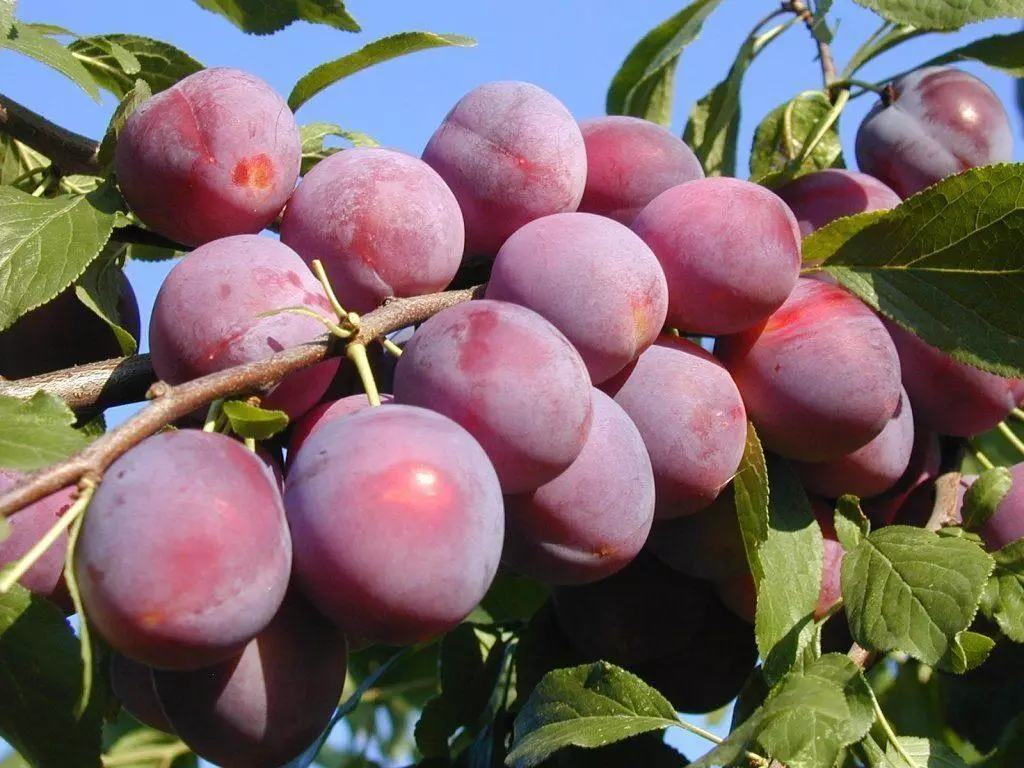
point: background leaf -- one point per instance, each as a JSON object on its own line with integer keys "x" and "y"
{"x": 16, "y": 160}
{"x": 27, "y": 39}
{"x": 643, "y": 84}
{"x": 1002, "y": 52}
{"x": 923, "y": 753}
{"x": 985, "y": 495}
{"x": 262, "y": 17}
{"x": 45, "y": 245}
{"x": 586, "y": 706}
{"x": 99, "y": 288}
{"x": 907, "y": 589}
{"x": 37, "y": 699}
{"x": 160, "y": 64}
{"x": 314, "y": 136}
{"x": 780, "y": 137}
{"x": 37, "y": 432}
{"x": 943, "y": 14}
{"x": 948, "y": 263}
{"x": 1003, "y": 600}
{"x": 385, "y": 49}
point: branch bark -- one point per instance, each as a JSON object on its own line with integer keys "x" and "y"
{"x": 94, "y": 386}
{"x": 828, "y": 65}
{"x": 69, "y": 151}
{"x": 171, "y": 403}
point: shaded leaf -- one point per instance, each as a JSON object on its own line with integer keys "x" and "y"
{"x": 45, "y": 245}
{"x": 99, "y": 288}
{"x": 132, "y": 101}
{"x": 781, "y": 136}
{"x": 948, "y": 263}
{"x": 923, "y": 753}
{"x": 1003, "y": 600}
{"x": 586, "y": 706}
{"x": 252, "y": 422}
{"x": 262, "y": 17}
{"x": 985, "y": 495}
{"x": 378, "y": 51}
{"x": 907, "y": 589}
{"x": 819, "y": 27}
{"x": 37, "y": 432}
{"x": 643, "y": 84}
{"x": 159, "y": 64}
{"x": 715, "y": 144}
{"x": 850, "y": 521}
{"x": 17, "y": 160}
{"x": 943, "y": 14}
{"x": 30, "y": 40}
{"x": 37, "y": 699}
{"x": 1002, "y": 52}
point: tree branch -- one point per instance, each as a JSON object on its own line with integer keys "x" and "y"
{"x": 94, "y": 386}
{"x": 171, "y": 403}
{"x": 69, "y": 151}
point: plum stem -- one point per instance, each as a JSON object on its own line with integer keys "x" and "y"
{"x": 1018, "y": 414}
{"x": 250, "y": 443}
{"x": 982, "y": 459}
{"x": 356, "y": 352}
{"x": 391, "y": 347}
{"x": 321, "y": 275}
{"x": 213, "y": 415}
{"x": 1010, "y": 435}
{"x": 180, "y": 400}
{"x": 30, "y": 558}
{"x": 88, "y": 486}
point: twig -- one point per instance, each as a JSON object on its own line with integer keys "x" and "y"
{"x": 828, "y": 66}
{"x": 93, "y": 386}
{"x": 136, "y": 235}
{"x": 945, "y": 511}
{"x": 171, "y": 403}
{"x": 69, "y": 151}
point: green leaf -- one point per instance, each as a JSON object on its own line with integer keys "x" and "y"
{"x": 880, "y": 45}
{"x": 750, "y": 491}
{"x": 131, "y": 101}
{"x": 313, "y": 138}
{"x": 711, "y": 137}
{"x": 469, "y": 675}
{"x": 790, "y": 563}
{"x": 159, "y": 64}
{"x": 514, "y": 598}
{"x": 944, "y": 14}
{"x": 1003, "y": 600}
{"x": 17, "y": 160}
{"x": 45, "y": 245}
{"x": 586, "y": 706}
{"x": 263, "y": 17}
{"x": 907, "y": 589}
{"x": 780, "y": 138}
{"x": 946, "y": 263}
{"x": 807, "y": 719}
{"x": 851, "y": 523}
{"x": 29, "y": 40}
{"x": 642, "y": 87}
{"x": 985, "y": 495}
{"x": 923, "y": 753}
{"x": 40, "y": 682}
{"x": 6, "y": 16}
{"x": 251, "y": 422}
{"x": 819, "y": 27}
{"x": 152, "y": 253}
{"x": 385, "y": 49}
{"x": 1002, "y": 52}
{"x": 141, "y": 741}
{"x": 969, "y": 651}
{"x": 37, "y": 432}
{"x": 99, "y": 288}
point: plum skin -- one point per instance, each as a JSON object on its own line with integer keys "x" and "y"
{"x": 730, "y": 250}
{"x": 383, "y": 224}
{"x": 591, "y": 520}
{"x": 63, "y": 333}
{"x": 630, "y": 161}
{"x": 819, "y": 198}
{"x": 600, "y": 285}
{"x": 397, "y": 522}
{"x": 820, "y": 378}
{"x": 511, "y": 152}
{"x": 243, "y": 277}
{"x": 214, "y": 155}
{"x": 180, "y": 569}
{"x": 942, "y": 121}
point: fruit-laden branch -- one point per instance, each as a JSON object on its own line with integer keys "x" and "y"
{"x": 69, "y": 151}
{"x": 173, "y": 402}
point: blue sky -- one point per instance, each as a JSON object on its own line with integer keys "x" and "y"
{"x": 569, "y": 47}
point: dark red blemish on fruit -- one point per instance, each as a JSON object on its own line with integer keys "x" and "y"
{"x": 294, "y": 279}
{"x": 224, "y": 290}
{"x": 256, "y": 172}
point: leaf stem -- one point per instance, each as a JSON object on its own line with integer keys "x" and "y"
{"x": 982, "y": 458}
{"x": 88, "y": 486}
{"x": 30, "y": 558}
{"x": 356, "y": 352}
{"x": 1010, "y": 435}
{"x": 391, "y": 347}
{"x": 213, "y": 415}
{"x": 696, "y": 730}
{"x": 888, "y": 731}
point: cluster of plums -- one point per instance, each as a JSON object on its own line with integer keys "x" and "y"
{"x": 555, "y": 426}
